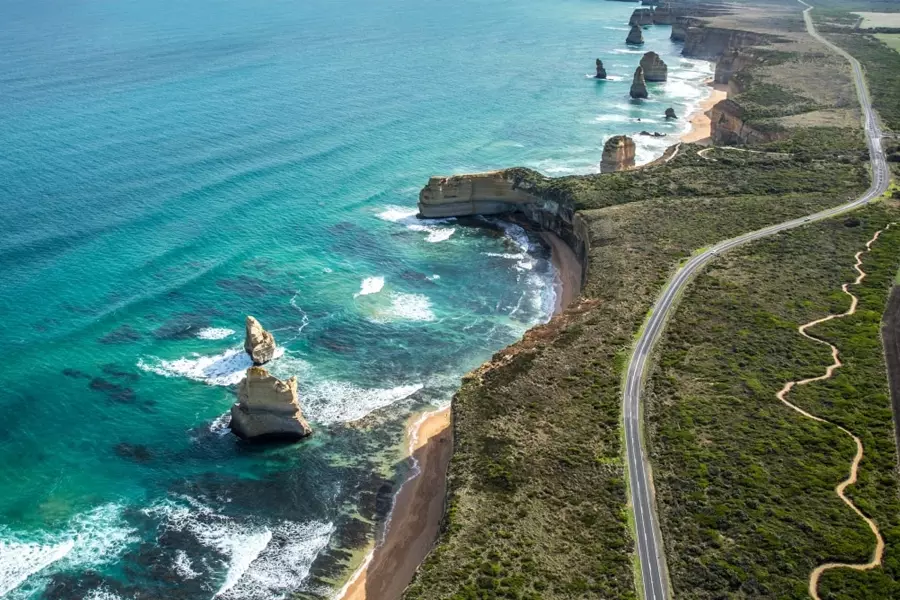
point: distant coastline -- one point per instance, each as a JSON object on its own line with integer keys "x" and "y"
{"x": 419, "y": 504}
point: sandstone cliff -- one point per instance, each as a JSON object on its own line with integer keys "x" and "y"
{"x": 654, "y": 67}
{"x": 728, "y": 128}
{"x": 268, "y": 408}
{"x": 638, "y": 85}
{"x": 258, "y": 343}
{"x": 709, "y": 43}
{"x": 516, "y": 191}
{"x": 635, "y": 36}
{"x": 730, "y": 63}
{"x": 601, "y": 72}
{"x": 618, "y": 154}
{"x": 679, "y": 31}
{"x": 641, "y": 16}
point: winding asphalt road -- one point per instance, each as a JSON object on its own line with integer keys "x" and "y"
{"x": 649, "y": 542}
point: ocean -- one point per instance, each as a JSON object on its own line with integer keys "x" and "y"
{"x": 168, "y": 168}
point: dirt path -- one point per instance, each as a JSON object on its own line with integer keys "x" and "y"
{"x": 854, "y": 466}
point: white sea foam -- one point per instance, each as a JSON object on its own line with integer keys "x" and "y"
{"x": 18, "y": 561}
{"x": 397, "y": 213}
{"x": 284, "y": 563}
{"x": 370, "y": 285}
{"x": 90, "y": 540}
{"x": 404, "y": 307}
{"x": 333, "y": 401}
{"x": 407, "y": 217}
{"x": 325, "y": 401}
{"x": 184, "y": 565}
{"x": 264, "y": 560}
{"x": 214, "y": 333}
{"x": 219, "y": 426}
{"x": 227, "y": 368}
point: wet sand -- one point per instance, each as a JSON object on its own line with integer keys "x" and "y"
{"x": 568, "y": 271}
{"x": 701, "y": 126}
{"x": 416, "y": 517}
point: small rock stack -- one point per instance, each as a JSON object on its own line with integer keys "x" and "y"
{"x": 635, "y": 36}
{"x": 601, "y": 72}
{"x": 258, "y": 343}
{"x": 638, "y": 84}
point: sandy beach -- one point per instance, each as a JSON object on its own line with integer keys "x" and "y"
{"x": 416, "y": 516}
{"x": 568, "y": 271}
{"x": 701, "y": 125}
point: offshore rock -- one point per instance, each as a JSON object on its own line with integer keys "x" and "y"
{"x": 258, "y": 343}
{"x": 638, "y": 85}
{"x": 635, "y": 36}
{"x": 663, "y": 15}
{"x": 268, "y": 408}
{"x": 641, "y": 16}
{"x": 654, "y": 67}
{"x": 601, "y": 72}
{"x": 670, "y": 113}
{"x": 618, "y": 154}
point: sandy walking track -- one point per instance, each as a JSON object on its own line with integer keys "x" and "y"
{"x": 854, "y": 466}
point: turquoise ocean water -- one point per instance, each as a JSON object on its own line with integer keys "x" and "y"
{"x": 167, "y": 168}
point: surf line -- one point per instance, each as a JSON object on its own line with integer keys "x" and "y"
{"x": 854, "y": 466}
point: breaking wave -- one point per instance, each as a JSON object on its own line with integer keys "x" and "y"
{"x": 370, "y": 285}
{"x": 90, "y": 540}
{"x": 215, "y": 333}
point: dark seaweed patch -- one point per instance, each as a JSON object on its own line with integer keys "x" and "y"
{"x": 121, "y": 335}
{"x": 114, "y": 391}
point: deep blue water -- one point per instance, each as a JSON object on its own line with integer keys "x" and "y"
{"x": 167, "y": 168}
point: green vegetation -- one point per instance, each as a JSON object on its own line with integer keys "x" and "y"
{"x": 538, "y": 506}
{"x": 891, "y": 40}
{"x": 882, "y": 66}
{"x": 745, "y": 485}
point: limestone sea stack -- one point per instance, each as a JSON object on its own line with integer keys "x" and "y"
{"x": 635, "y": 36}
{"x": 638, "y": 85}
{"x": 641, "y": 16}
{"x": 670, "y": 113}
{"x": 258, "y": 343}
{"x": 618, "y": 154}
{"x": 268, "y": 408}
{"x": 601, "y": 72}
{"x": 654, "y": 67}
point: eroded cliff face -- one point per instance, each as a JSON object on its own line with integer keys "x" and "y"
{"x": 663, "y": 15}
{"x": 641, "y": 16}
{"x": 710, "y": 43}
{"x": 511, "y": 192}
{"x": 730, "y": 63}
{"x": 728, "y": 128}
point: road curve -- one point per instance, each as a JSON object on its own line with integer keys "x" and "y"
{"x": 647, "y": 533}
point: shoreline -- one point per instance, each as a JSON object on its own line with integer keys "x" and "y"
{"x": 415, "y": 517}
{"x": 567, "y": 280}
{"x": 700, "y": 131}
{"x": 418, "y": 509}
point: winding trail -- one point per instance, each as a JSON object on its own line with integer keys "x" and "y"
{"x": 648, "y": 537}
{"x": 854, "y": 466}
